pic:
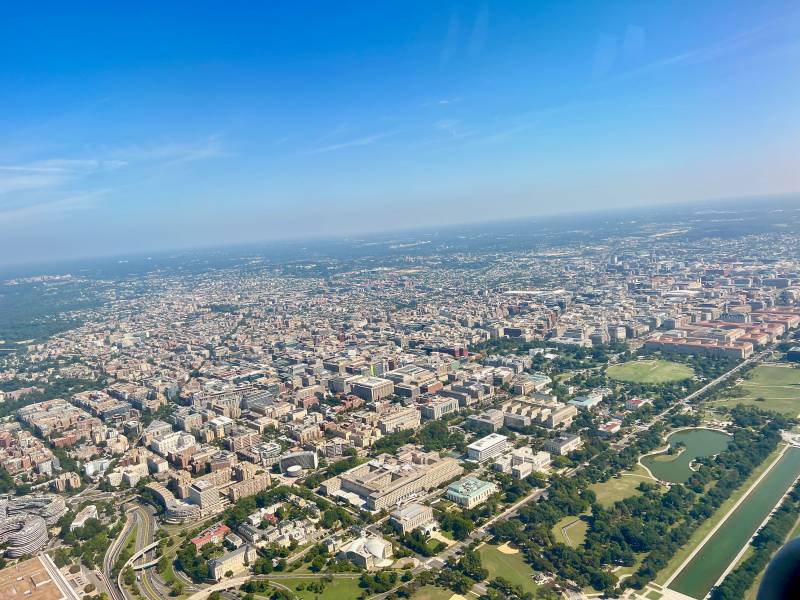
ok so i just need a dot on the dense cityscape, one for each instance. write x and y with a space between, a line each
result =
576 408
413 300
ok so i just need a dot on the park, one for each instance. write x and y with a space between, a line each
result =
650 372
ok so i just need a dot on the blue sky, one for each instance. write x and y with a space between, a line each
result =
141 126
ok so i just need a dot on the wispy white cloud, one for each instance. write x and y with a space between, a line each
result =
354 143
340 129
478 37
509 126
50 188
173 153
511 131
450 44
50 173
58 172
710 52
442 102
39 210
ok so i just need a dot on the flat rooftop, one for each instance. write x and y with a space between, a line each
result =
34 579
488 441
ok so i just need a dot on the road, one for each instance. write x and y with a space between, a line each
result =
145 535
755 358
141 518
113 552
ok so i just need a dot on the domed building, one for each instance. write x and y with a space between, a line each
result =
372 552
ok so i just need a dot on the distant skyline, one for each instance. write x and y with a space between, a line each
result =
139 127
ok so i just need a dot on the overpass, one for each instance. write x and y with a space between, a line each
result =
138 555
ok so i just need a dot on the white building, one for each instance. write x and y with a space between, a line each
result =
412 516
88 512
539 461
487 447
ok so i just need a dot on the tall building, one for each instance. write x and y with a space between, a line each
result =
204 494
563 444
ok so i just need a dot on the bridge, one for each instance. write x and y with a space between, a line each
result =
139 554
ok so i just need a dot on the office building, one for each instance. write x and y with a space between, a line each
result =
399 419
487 447
372 388
411 516
563 444
437 407
388 480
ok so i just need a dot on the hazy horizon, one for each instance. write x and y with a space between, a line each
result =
551 222
129 131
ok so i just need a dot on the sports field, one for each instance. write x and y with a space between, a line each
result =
650 371
769 388
507 562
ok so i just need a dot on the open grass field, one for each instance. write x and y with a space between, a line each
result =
769 388
339 589
431 592
702 531
571 531
511 567
616 489
650 371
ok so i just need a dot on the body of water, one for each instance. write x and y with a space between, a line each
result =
700 575
698 443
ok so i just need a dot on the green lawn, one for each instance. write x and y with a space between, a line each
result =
650 371
340 588
769 388
168 575
431 592
622 572
616 489
702 531
511 567
642 472
571 531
